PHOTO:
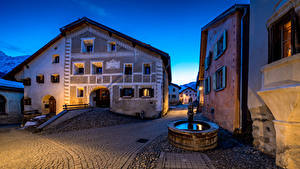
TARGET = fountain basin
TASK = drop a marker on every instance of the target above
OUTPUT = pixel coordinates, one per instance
(198, 136)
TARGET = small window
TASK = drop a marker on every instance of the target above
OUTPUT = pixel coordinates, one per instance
(173, 96)
(27, 101)
(207, 61)
(78, 68)
(55, 78)
(219, 79)
(27, 82)
(207, 85)
(79, 92)
(111, 47)
(127, 92)
(128, 69)
(97, 67)
(2, 105)
(87, 45)
(146, 92)
(55, 59)
(173, 90)
(40, 78)
(147, 70)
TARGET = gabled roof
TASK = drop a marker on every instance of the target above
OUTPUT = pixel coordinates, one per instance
(173, 84)
(229, 11)
(82, 21)
(182, 90)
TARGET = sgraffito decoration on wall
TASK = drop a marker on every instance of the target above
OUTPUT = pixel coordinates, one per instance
(113, 64)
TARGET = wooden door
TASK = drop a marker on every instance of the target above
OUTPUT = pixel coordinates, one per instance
(102, 98)
(52, 105)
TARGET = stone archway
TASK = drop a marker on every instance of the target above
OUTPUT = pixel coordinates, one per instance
(100, 97)
(49, 105)
(2, 105)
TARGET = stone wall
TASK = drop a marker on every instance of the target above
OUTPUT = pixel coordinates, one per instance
(13, 107)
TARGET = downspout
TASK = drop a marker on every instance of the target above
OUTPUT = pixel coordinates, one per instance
(241, 69)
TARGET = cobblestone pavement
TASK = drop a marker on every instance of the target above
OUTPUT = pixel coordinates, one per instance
(108, 147)
(184, 160)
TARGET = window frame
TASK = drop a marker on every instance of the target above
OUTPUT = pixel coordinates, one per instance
(124, 71)
(83, 45)
(52, 80)
(39, 80)
(151, 92)
(109, 46)
(122, 92)
(77, 92)
(92, 68)
(144, 68)
(224, 46)
(54, 60)
(74, 68)
(207, 85)
(223, 82)
(27, 81)
(275, 36)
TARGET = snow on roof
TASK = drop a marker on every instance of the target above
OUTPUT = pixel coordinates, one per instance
(11, 84)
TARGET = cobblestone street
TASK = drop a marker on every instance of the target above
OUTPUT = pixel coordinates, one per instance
(108, 147)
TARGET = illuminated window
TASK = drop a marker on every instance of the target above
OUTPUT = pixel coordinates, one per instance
(127, 92)
(111, 47)
(146, 92)
(97, 67)
(128, 69)
(55, 59)
(147, 70)
(87, 45)
(55, 78)
(80, 92)
(40, 78)
(284, 37)
(78, 68)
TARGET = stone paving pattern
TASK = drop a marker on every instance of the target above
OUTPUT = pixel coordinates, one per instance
(108, 147)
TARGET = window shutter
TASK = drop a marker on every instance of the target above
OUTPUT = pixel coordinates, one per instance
(206, 63)
(215, 52)
(151, 92)
(224, 40)
(132, 95)
(121, 92)
(224, 77)
(208, 85)
(214, 81)
(140, 92)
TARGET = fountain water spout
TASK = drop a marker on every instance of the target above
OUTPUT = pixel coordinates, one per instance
(190, 115)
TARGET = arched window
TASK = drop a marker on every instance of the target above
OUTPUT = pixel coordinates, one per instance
(2, 105)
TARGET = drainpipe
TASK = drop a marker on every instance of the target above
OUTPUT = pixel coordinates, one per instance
(242, 69)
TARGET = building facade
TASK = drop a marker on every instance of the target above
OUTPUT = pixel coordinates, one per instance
(186, 94)
(274, 80)
(174, 94)
(11, 101)
(223, 68)
(89, 63)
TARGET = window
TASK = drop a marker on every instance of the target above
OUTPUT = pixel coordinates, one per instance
(27, 101)
(127, 92)
(173, 90)
(173, 96)
(111, 47)
(283, 38)
(97, 67)
(78, 68)
(55, 59)
(146, 92)
(220, 46)
(87, 45)
(207, 85)
(220, 79)
(79, 92)
(2, 105)
(27, 82)
(40, 78)
(55, 78)
(128, 69)
(147, 70)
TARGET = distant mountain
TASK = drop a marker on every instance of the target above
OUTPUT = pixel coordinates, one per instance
(191, 85)
(7, 63)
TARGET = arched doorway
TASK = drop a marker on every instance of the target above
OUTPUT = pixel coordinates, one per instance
(2, 105)
(100, 97)
(49, 105)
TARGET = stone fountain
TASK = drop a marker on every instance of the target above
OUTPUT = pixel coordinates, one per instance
(195, 135)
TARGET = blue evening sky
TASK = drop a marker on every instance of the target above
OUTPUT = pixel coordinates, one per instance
(172, 26)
